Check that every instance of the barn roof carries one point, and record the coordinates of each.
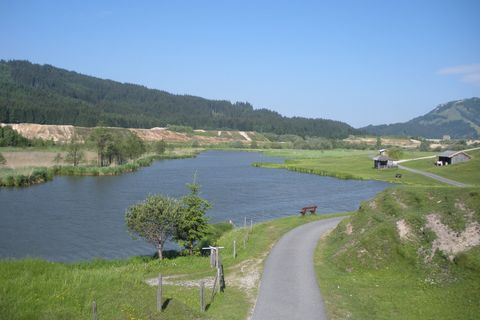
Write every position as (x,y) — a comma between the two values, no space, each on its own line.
(381,158)
(451,153)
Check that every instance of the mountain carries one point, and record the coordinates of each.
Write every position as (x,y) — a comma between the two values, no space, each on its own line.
(45,94)
(458,119)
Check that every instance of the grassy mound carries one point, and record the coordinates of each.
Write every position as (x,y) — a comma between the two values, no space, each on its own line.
(410,253)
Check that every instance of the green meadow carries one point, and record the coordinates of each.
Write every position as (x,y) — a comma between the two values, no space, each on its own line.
(346,164)
(38,289)
(466,172)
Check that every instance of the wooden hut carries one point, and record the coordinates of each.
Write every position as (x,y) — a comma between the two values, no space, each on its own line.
(383,162)
(452,157)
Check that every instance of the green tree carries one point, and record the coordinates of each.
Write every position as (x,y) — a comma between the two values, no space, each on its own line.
(74,153)
(58,158)
(103,141)
(2,159)
(254,144)
(160,147)
(424,146)
(395,153)
(378,144)
(10,137)
(155,220)
(193,225)
(132,146)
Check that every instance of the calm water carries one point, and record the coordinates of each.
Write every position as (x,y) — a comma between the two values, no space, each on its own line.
(78,218)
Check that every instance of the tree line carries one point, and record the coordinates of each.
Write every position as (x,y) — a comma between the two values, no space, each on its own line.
(47,95)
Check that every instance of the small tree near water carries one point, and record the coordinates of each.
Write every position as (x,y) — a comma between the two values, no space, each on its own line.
(193,225)
(74,154)
(154,220)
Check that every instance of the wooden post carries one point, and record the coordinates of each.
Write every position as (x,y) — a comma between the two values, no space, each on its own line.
(212,258)
(94,310)
(251,224)
(202,296)
(159,293)
(245,223)
(214,255)
(234,249)
(217,258)
(218,279)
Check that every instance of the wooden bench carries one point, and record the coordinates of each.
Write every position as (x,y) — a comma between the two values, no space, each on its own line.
(312,210)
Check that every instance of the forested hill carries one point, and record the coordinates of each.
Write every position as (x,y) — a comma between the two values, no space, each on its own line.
(48,95)
(458,119)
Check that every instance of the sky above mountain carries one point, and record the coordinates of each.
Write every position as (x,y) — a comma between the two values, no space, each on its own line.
(362,62)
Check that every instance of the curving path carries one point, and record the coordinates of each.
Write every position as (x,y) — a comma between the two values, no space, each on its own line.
(288,289)
(436,177)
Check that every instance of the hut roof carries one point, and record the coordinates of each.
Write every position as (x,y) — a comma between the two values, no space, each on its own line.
(451,153)
(381,158)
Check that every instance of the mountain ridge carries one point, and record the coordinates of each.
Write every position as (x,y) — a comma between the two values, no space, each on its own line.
(458,119)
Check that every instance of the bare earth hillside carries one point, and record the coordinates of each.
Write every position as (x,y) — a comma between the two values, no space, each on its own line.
(65,133)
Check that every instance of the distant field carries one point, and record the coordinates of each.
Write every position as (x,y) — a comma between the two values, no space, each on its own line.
(467,172)
(18,159)
(347,164)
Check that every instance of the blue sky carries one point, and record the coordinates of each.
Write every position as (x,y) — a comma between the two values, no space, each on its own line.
(362,62)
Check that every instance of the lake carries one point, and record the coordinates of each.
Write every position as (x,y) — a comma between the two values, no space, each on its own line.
(79,218)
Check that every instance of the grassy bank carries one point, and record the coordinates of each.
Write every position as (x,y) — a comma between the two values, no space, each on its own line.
(346,164)
(37,289)
(28,176)
(381,264)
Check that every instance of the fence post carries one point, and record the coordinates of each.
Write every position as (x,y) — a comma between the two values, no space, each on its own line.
(234,249)
(94,310)
(251,224)
(159,293)
(202,296)
(245,223)
(218,279)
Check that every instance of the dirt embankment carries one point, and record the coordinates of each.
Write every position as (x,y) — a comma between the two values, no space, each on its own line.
(371,141)
(65,133)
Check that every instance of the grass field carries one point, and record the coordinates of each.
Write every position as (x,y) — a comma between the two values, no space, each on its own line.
(467,172)
(37,289)
(346,164)
(368,270)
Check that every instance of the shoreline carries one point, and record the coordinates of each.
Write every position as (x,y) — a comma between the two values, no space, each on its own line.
(44,174)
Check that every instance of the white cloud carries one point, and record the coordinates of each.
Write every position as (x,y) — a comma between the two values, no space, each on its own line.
(469,73)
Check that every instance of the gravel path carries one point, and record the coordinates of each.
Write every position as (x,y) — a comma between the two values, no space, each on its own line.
(288,289)
(434,176)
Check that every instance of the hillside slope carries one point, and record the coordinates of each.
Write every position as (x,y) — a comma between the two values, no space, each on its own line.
(458,119)
(43,94)
(410,253)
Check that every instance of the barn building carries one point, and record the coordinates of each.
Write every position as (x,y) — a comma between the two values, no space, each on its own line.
(382,162)
(452,157)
